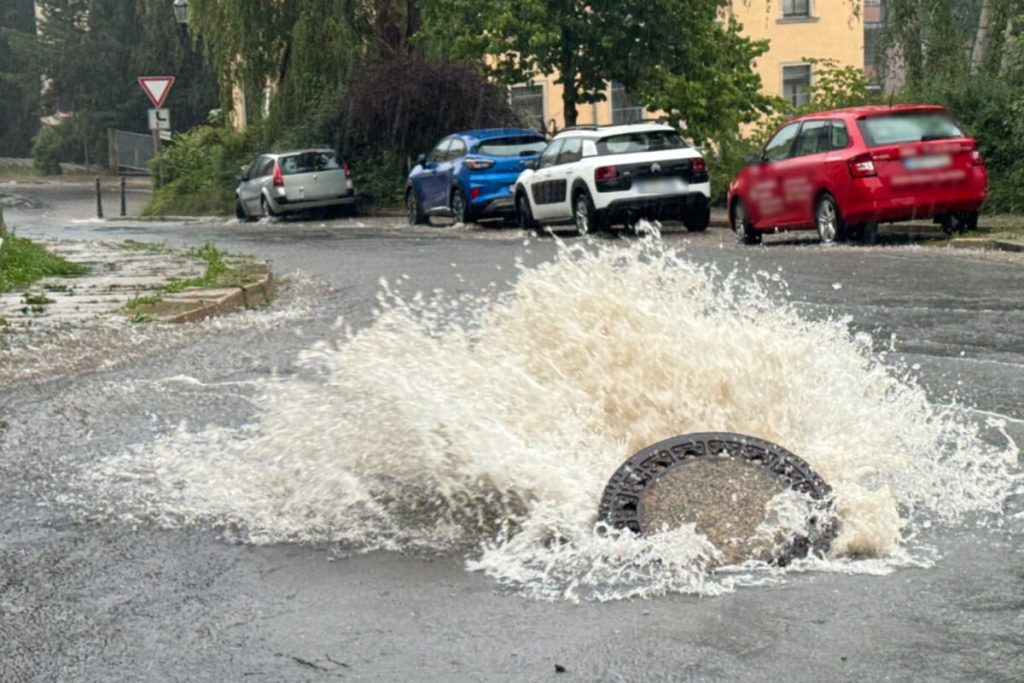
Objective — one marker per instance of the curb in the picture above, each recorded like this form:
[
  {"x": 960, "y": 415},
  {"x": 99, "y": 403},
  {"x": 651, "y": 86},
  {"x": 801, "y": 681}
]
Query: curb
[
  {"x": 986, "y": 243},
  {"x": 193, "y": 305}
]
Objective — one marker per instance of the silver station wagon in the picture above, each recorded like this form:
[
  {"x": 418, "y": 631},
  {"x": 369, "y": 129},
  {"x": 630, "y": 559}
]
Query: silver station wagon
[{"x": 287, "y": 182}]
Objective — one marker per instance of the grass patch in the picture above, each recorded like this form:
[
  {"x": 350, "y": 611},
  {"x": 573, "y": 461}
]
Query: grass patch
[
  {"x": 218, "y": 273},
  {"x": 138, "y": 301},
  {"x": 23, "y": 262},
  {"x": 132, "y": 245},
  {"x": 36, "y": 299}
]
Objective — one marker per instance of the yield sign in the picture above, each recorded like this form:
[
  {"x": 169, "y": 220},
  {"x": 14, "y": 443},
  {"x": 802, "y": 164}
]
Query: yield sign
[{"x": 156, "y": 88}]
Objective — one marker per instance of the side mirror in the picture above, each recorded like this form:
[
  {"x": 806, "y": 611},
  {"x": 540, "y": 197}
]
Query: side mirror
[
  {"x": 243, "y": 173},
  {"x": 752, "y": 160},
  {"x": 421, "y": 159},
  {"x": 531, "y": 164}
]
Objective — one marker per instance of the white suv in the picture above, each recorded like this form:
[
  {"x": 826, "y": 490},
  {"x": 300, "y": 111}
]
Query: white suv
[{"x": 597, "y": 176}]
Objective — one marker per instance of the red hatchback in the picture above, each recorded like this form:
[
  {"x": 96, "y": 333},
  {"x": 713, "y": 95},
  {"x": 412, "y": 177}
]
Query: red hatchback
[{"x": 843, "y": 172}]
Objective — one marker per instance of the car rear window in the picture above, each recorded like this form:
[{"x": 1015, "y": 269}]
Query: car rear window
[
  {"x": 521, "y": 145},
  {"x": 308, "y": 162},
  {"x": 648, "y": 141},
  {"x": 893, "y": 129}
]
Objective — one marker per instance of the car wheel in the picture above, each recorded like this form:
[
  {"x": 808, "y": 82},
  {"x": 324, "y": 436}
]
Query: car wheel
[
  {"x": 525, "y": 215},
  {"x": 240, "y": 213},
  {"x": 414, "y": 209},
  {"x": 741, "y": 225},
  {"x": 585, "y": 215},
  {"x": 460, "y": 208},
  {"x": 959, "y": 222},
  {"x": 828, "y": 220},
  {"x": 267, "y": 209},
  {"x": 869, "y": 233},
  {"x": 697, "y": 221}
]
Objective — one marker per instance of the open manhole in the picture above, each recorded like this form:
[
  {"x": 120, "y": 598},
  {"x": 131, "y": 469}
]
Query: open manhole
[{"x": 725, "y": 484}]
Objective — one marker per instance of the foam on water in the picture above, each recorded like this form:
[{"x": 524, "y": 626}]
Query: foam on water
[{"x": 490, "y": 424}]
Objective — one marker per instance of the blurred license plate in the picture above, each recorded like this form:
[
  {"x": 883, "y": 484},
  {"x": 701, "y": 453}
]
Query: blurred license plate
[
  {"x": 927, "y": 163},
  {"x": 659, "y": 186}
]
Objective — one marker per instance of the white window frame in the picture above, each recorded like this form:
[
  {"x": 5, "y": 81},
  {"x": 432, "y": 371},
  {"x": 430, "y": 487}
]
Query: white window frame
[{"x": 543, "y": 100}]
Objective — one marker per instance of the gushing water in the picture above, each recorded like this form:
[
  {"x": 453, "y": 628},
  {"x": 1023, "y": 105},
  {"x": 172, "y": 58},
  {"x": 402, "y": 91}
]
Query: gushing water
[{"x": 489, "y": 425}]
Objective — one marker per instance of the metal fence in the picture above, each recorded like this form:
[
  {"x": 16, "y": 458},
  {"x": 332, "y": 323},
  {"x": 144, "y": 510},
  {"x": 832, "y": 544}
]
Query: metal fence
[{"x": 129, "y": 152}]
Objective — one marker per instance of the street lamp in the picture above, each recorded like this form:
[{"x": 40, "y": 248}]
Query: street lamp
[{"x": 181, "y": 11}]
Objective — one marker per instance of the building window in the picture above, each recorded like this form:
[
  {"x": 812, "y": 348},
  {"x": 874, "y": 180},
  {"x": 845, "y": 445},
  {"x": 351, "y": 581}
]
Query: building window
[
  {"x": 871, "y": 33},
  {"x": 796, "y": 9},
  {"x": 796, "y": 82},
  {"x": 528, "y": 103},
  {"x": 623, "y": 109}
]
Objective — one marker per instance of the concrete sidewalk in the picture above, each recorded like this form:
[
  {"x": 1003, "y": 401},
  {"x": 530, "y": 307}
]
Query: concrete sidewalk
[{"x": 126, "y": 282}]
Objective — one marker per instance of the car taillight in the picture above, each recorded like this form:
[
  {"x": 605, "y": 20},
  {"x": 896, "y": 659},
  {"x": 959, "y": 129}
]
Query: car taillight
[
  {"x": 348, "y": 170},
  {"x": 604, "y": 174},
  {"x": 862, "y": 166},
  {"x": 278, "y": 176},
  {"x": 474, "y": 192},
  {"x": 699, "y": 165},
  {"x": 479, "y": 164}
]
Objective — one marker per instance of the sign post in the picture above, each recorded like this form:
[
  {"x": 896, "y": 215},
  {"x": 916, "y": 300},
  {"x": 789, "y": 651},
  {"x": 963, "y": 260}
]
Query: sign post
[{"x": 157, "y": 88}]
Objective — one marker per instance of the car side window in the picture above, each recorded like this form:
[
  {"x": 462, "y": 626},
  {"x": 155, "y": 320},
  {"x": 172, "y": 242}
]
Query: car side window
[
  {"x": 782, "y": 144},
  {"x": 253, "y": 171},
  {"x": 550, "y": 155},
  {"x": 439, "y": 153},
  {"x": 266, "y": 167},
  {"x": 839, "y": 135},
  {"x": 456, "y": 150},
  {"x": 571, "y": 152},
  {"x": 813, "y": 139}
]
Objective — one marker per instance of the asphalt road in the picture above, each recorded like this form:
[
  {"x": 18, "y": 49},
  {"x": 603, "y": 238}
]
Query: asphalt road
[{"x": 105, "y": 600}]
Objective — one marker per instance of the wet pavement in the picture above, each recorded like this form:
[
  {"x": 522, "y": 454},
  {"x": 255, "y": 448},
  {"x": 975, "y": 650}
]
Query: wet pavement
[{"x": 96, "y": 601}]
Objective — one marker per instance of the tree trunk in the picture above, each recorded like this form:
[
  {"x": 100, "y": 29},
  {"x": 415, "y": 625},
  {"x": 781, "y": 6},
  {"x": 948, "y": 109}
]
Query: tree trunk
[
  {"x": 3, "y": 226},
  {"x": 568, "y": 68},
  {"x": 569, "y": 101},
  {"x": 981, "y": 37}
]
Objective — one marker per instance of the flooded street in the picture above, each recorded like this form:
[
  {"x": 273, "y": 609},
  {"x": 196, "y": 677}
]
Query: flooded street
[{"x": 358, "y": 482}]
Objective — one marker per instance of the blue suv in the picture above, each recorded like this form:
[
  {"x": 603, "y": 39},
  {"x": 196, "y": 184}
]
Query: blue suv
[{"x": 470, "y": 175}]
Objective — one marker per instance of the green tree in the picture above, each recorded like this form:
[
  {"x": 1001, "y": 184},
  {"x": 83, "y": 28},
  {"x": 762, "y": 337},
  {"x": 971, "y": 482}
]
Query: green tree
[
  {"x": 19, "y": 81},
  {"x": 92, "y": 51},
  {"x": 660, "y": 50}
]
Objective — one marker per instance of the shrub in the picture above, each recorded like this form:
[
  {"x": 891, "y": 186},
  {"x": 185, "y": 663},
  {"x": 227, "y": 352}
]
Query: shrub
[
  {"x": 47, "y": 150},
  {"x": 195, "y": 174},
  {"x": 379, "y": 177}
]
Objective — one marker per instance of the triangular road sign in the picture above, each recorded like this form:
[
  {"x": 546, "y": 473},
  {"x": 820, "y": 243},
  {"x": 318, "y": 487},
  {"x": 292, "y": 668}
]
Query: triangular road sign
[{"x": 156, "y": 88}]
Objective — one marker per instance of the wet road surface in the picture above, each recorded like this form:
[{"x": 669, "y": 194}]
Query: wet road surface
[{"x": 102, "y": 601}]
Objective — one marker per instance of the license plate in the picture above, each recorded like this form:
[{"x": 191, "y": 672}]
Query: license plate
[
  {"x": 659, "y": 186},
  {"x": 927, "y": 163}
]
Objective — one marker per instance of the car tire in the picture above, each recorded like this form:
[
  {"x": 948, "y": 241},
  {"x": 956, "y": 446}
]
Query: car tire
[
  {"x": 240, "y": 212},
  {"x": 739, "y": 219},
  {"x": 954, "y": 223},
  {"x": 868, "y": 233},
  {"x": 524, "y": 214},
  {"x": 828, "y": 220},
  {"x": 698, "y": 220},
  {"x": 266, "y": 208},
  {"x": 584, "y": 214},
  {"x": 462, "y": 212},
  {"x": 413, "y": 208}
]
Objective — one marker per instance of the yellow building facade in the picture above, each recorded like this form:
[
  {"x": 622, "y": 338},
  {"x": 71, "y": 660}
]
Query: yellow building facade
[{"x": 797, "y": 30}]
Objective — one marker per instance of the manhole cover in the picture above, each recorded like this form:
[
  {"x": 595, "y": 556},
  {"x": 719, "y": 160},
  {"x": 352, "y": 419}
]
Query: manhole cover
[{"x": 724, "y": 484}]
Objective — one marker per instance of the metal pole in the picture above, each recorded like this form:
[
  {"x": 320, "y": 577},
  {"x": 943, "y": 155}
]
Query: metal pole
[
  {"x": 124, "y": 204},
  {"x": 99, "y": 200}
]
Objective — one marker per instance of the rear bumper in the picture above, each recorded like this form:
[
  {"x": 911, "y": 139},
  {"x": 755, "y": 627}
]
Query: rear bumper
[
  {"x": 284, "y": 205},
  {"x": 499, "y": 207},
  {"x": 871, "y": 202},
  {"x": 666, "y": 207}
]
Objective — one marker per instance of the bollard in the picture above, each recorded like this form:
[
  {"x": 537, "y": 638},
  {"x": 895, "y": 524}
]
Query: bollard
[
  {"x": 124, "y": 204},
  {"x": 99, "y": 200}
]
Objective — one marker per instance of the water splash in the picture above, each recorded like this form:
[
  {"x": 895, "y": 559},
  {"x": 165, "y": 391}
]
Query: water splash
[{"x": 489, "y": 425}]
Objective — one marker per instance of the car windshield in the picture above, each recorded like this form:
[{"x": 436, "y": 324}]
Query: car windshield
[
  {"x": 308, "y": 162},
  {"x": 647, "y": 141},
  {"x": 893, "y": 129},
  {"x": 520, "y": 145}
]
